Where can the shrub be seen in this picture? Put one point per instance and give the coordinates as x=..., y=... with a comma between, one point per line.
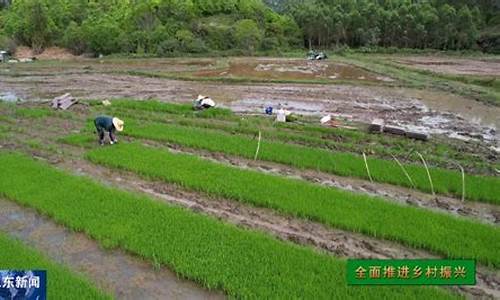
x=247, y=35
x=74, y=39
x=8, y=44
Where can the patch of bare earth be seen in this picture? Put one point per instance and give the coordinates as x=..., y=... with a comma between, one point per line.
x=52, y=53
x=454, y=66
x=482, y=212
x=354, y=103
x=337, y=242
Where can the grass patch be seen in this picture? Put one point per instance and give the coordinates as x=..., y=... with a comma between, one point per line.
x=243, y=263
x=33, y=113
x=444, y=234
x=61, y=282
x=173, y=108
x=478, y=188
x=80, y=140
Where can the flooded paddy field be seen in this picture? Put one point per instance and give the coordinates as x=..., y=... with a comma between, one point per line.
x=291, y=69
x=429, y=111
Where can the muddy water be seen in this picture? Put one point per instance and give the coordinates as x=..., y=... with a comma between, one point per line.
x=435, y=113
x=119, y=273
x=473, y=111
x=292, y=70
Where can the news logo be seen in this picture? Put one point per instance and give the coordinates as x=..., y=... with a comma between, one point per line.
x=23, y=285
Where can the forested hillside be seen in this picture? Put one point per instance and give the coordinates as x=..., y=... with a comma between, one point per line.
x=149, y=26
x=163, y=27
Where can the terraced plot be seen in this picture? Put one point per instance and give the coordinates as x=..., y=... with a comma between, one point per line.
x=196, y=247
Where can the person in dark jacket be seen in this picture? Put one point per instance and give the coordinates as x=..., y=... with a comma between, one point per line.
x=108, y=124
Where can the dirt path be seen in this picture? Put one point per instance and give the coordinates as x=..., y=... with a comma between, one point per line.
x=52, y=128
x=115, y=271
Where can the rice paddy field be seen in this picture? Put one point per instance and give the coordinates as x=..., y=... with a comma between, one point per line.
x=228, y=203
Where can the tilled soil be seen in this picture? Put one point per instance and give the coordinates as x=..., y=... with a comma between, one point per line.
x=455, y=66
x=337, y=242
x=455, y=117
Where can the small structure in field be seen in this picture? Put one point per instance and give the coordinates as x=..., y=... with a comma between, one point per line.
x=314, y=55
x=64, y=102
x=378, y=126
x=4, y=56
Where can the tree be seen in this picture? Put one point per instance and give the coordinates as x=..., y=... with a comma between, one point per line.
x=247, y=35
x=102, y=36
x=466, y=29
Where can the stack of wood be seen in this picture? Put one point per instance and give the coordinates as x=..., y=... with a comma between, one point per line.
x=64, y=102
x=378, y=126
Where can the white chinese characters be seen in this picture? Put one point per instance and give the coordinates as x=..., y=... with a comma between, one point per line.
x=21, y=282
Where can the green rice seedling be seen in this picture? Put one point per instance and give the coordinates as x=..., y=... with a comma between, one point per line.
x=80, y=140
x=481, y=188
x=61, y=282
x=242, y=263
x=33, y=113
x=181, y=109
x=444, y=234
x=307, y=134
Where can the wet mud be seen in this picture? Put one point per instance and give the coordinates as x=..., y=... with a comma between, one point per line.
x=421, y=111
x=455, y=66
x=298, y=69
x=482, y=212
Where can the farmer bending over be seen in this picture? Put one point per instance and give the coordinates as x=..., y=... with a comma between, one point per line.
x=109, y=124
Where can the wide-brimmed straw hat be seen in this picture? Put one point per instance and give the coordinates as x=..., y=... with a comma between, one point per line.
x=118, y=124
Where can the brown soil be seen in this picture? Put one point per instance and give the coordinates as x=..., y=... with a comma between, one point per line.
x=455, y=66
x=119, y=273
x=288, y=69
x=52, y=53
x=357, y=103
x=360, y=104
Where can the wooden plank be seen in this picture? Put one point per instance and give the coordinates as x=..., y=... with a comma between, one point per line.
x=67, y=95
x=394, y=130
x=418, y=136
x=67, y=103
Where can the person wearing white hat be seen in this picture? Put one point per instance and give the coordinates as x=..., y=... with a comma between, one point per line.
x=203, y=102
x=108, y=124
